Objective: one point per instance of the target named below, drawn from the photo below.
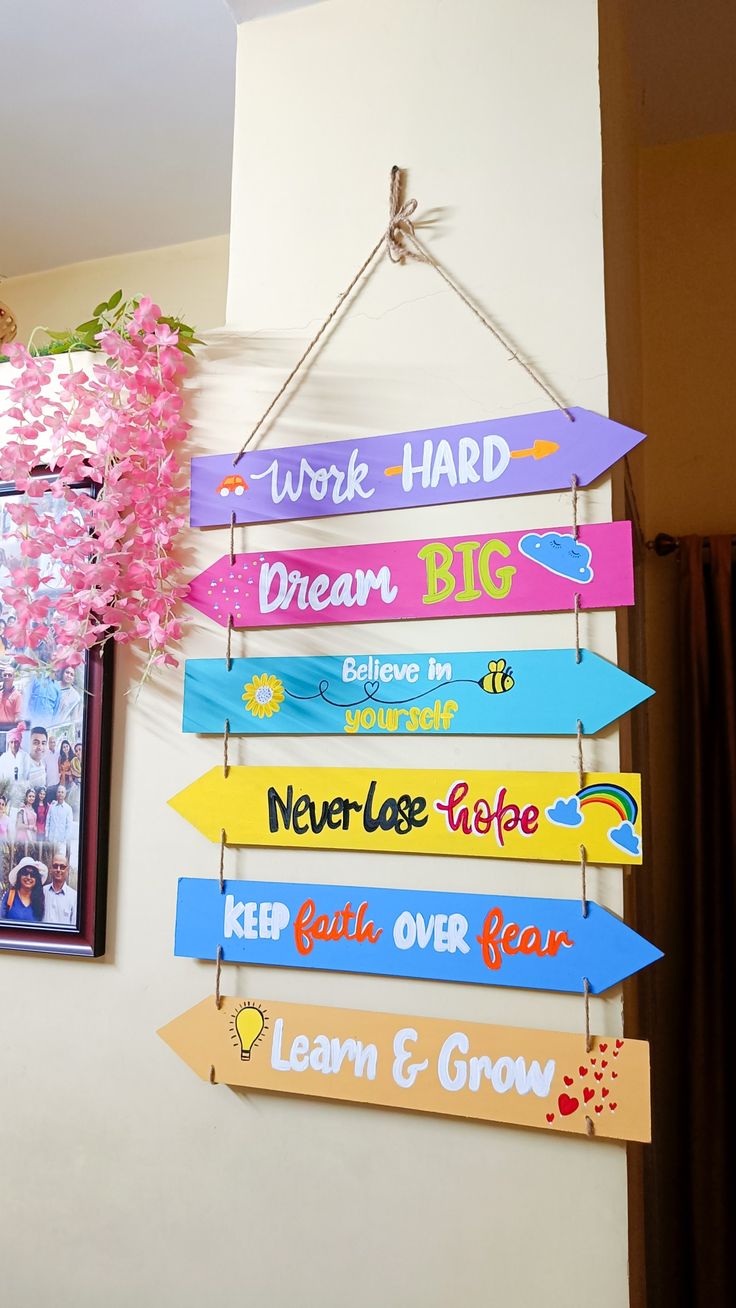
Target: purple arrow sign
(475, 461)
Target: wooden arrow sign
(519, 815)
(533, 944)
(474, 461)
(511, 572)
(542, 692)
(543, 1079)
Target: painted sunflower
(263, 696)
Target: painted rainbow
(615, 796)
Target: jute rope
(218, 970)
(577, 626)
(588, 1041)
(581, 768)
(586, 993)
(422, 252)
(575, 483)
(223, 842)
(395, 240)
(583, 852)
(226, 773)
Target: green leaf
(60, 336)
(114, 300)
(99, 308)
(92, 325)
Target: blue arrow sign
(533, 944)
(492, 692)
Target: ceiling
(117, 127)
(118, 114)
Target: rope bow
(400, 222)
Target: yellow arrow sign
(544, 1079)
(520, 815)
(539, 450)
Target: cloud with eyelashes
(561, 554)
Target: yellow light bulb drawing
(249, 1024)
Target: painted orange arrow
(539, 450)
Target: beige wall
(178, 1190)
(188, 279)
(502, 145)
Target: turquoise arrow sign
(491, 692)
(533, 944)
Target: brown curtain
(690, 1169)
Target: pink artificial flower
(23, 515)
(119, 428)
(37, 487)
(37, 635)
(164, 335)
(69, 657)
(31, 549)
(17, 354)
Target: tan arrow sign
(543, 1079)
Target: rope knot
(400, 221)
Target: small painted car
(232, 485)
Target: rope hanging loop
(586, 1000)
(400, 230)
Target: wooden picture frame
(47, 705)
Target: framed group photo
(54, 773)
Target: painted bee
(498, 679)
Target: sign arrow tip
(189, 1033)
(625, 951)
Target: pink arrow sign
(511, 572)
(444, 465)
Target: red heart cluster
(568, 1104)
